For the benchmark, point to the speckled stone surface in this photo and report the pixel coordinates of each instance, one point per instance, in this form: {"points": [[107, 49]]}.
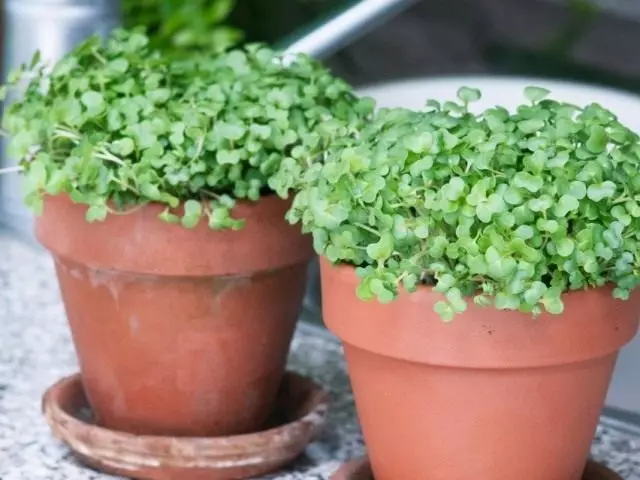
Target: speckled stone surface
{"points": [[35, 350]]}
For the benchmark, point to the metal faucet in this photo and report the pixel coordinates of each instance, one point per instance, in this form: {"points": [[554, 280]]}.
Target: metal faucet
{"points": [[346, 27]]}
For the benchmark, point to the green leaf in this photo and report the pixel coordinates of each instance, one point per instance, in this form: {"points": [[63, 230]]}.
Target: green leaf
{"points": [[363, 290], [484, 213], [527, 181], [507, 220], [482, 301], [382, 249], [36, 175], [444, 310], [421, 230], [383, 294], [468, 95], [329, 216], [123, 147], [118, 66], [549, 226], [434, 104], [513, 197], [230, 131], [535, 292], [613, 235], [621, 293], [566, 204], [455, 189], [589, 261], [34, 201], [565, 247], [446, 281], [94, 101], [228, 157], [168, 217], [192, 214], [159, 96], [419, 143], [553, 305], [535, 94], [35, 60], [454, 297], [524, 232], [578, 190], [600, 191], [540, 204], [506, 301], [531, 126], [598, 140], [498, 267], [150, 191], [56, 183], [559, 161], [96, 213], [620, 213]]}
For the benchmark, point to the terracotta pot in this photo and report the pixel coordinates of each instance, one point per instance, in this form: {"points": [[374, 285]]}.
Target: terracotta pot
{"points": [[494, 395], [178, 332]]}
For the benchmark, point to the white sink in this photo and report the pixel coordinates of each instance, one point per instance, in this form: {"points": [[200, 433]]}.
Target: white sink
{"points": [[507, 92]]}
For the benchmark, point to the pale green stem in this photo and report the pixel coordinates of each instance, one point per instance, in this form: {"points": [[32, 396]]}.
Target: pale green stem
{"points": [[17, 168]]}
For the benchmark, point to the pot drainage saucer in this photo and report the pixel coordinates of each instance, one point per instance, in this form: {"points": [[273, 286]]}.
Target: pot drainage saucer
{"points": [[360, 469], [300, 415]]}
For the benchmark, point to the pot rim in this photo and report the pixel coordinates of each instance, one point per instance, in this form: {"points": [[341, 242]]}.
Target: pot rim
{"points": [[593, 325], [140, 243]]}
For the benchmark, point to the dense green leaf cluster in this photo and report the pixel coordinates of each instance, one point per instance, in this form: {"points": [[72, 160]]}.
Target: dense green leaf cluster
{"points": [[179, 27], [117, 124], [512, 209]]}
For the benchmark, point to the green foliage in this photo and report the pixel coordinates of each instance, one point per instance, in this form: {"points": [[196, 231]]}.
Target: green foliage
{"points": [[179, 27], [118, 124], [510, 209]]}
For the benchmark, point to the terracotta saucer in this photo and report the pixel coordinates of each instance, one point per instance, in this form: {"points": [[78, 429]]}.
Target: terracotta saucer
{"points": [[300, 415], [360, 469]]}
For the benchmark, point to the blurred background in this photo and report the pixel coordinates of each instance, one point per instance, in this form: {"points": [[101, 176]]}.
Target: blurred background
{"points": [[590, 45]]}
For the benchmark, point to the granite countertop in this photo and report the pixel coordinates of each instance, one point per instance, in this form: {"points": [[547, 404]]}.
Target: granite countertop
{"points": [[36, 350]]}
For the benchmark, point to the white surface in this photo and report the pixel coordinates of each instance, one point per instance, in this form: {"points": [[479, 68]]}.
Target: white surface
{"points": [[508, 92]]}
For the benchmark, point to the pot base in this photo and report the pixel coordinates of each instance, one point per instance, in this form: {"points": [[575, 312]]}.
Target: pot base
{"points": [[299, 416], [360, 469]]}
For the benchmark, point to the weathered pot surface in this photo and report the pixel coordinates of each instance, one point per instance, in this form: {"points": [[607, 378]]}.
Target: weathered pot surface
{"points": [[179, 331], [516, 397], [300, 414], [360, 469]]}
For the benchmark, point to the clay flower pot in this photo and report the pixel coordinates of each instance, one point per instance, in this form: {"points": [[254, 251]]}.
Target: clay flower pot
{"points": [[179, 332], [492, 395]]}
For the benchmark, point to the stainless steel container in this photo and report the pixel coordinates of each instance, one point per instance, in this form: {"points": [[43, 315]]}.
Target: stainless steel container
{"points": [[53, 27]]}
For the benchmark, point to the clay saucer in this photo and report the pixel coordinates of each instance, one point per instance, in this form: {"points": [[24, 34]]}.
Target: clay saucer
{"points": [[300, 415], [360, 469]]}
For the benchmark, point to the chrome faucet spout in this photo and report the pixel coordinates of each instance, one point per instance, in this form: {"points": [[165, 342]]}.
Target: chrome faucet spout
{"points": [[346, 27]]}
